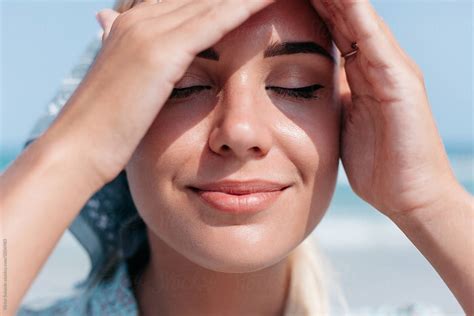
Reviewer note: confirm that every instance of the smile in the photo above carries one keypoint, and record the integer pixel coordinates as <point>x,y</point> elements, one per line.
<point>239,197</point>
<point>233,203</point>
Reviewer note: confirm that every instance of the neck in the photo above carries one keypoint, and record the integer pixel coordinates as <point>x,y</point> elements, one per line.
<point>171,284</point>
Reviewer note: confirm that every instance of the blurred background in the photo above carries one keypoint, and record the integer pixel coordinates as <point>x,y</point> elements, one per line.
<point>375,263</point>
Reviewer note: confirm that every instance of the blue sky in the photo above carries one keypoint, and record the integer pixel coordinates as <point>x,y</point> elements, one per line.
<point>42,40</point>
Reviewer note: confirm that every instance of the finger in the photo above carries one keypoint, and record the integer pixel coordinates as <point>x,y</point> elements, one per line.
<point>173,15</point>
<point>343,38</point>
<point>141,11</point>
<point>144,3</point>
<point>356,21</point>
<point>218,19</point>
<point>154,8</point>
<point>106,18</point>
<point>163,16</point>
<point>335,24</point>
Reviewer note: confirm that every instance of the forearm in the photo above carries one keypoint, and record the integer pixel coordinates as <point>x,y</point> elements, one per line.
<point>41,193</point>
<point>444,234</point>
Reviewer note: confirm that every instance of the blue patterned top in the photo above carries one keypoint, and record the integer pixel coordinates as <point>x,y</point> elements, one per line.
<point>116,297</point>
<point>112,297</point>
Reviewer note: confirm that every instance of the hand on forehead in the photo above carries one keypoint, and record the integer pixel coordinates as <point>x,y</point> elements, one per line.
<point>283,21</point>
<point>295,19</point>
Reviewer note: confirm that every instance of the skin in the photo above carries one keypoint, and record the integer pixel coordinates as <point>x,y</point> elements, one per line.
<point>388,142</point>
<point>208,137</point>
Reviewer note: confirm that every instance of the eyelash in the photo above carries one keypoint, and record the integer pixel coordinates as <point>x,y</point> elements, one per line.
<point>297,93</point>
<point>180,93</point>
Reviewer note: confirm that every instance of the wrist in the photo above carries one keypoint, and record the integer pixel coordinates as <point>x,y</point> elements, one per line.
<point>68,157</point>
<point>453,200</point>
<point>442,232</point>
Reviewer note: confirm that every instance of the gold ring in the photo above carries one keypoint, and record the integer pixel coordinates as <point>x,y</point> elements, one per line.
<point>354,50</point>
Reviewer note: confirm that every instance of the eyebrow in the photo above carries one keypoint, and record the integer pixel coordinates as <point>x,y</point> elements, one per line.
<point>279,49</point>
<point>289,48</point>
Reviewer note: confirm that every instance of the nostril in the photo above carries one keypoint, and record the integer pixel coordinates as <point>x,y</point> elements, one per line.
<point>225,147</point>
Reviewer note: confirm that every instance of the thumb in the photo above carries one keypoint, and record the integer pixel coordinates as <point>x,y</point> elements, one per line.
<point>106,18</point>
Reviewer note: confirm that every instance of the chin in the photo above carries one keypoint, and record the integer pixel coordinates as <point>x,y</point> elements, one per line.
<point>235,263</point>
<point>237,250</point>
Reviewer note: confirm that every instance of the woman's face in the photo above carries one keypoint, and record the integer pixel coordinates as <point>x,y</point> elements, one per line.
<point>240,127</point>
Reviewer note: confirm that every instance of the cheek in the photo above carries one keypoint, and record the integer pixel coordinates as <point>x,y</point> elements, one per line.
<point>326,141</point>
<point>314,149</point>
<point>173,139</point>
<point>314,135</point>
<point>170,145</point>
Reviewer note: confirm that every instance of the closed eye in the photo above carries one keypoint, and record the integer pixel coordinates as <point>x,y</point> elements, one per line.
<point>179,93</point>
<point>298,93</point>
<point>307,92</point>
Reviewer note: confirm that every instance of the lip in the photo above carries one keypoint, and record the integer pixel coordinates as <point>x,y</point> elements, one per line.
<point>239,196</point>
<point>241,187</point>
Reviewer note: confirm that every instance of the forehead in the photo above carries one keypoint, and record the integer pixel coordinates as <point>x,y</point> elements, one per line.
<point>285,20</point>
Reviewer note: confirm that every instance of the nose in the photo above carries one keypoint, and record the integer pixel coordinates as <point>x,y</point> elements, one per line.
<point>241,125</point>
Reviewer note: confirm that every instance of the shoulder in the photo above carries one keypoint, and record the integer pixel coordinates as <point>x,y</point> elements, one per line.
<point>413,309</point>
<point>111,297</point>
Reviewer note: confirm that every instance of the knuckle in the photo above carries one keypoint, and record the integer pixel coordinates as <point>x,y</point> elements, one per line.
<point>123,22</point>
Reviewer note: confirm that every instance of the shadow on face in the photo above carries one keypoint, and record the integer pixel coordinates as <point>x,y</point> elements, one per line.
<point>262,103</point>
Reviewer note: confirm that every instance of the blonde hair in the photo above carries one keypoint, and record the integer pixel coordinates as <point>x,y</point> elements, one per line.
<point>313,283</point>
<point>312,280</point>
